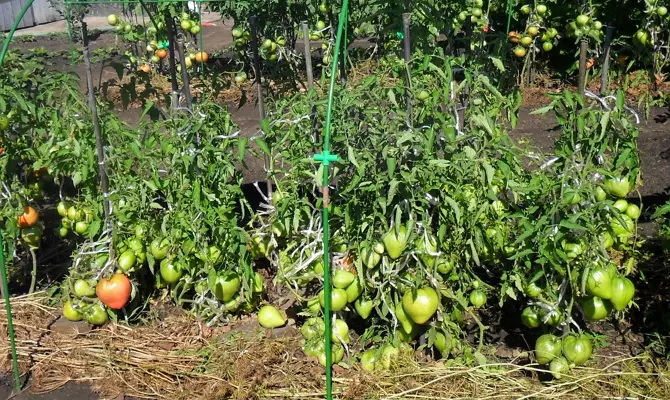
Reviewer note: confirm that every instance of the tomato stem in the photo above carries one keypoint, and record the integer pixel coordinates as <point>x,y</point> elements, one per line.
<point>33,279</point>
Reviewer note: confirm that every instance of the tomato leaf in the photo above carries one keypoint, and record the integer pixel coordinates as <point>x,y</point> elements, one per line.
<point>393,189</point>
<point>498,63</point>
<point>454,206</point>
<point>262,144</point>
<point>351,155</point>
<point>543,110</point>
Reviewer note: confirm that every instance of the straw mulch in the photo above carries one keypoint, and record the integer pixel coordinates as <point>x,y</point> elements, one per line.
<point>177,357</point>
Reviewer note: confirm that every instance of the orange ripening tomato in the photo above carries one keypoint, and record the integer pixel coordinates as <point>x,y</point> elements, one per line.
<point>590,63</point>
<point>40,172</point>
<point>29,217</point>
<point>201,56</point>
<point>145,68</point>
<point>161,53</point>
<point>513,37</point>
<point>115,291</point>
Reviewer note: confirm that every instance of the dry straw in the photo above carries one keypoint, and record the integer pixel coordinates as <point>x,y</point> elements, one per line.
<point>178,358</point>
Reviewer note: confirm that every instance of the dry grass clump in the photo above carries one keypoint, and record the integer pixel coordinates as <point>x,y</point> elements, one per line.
<point>179,358</point>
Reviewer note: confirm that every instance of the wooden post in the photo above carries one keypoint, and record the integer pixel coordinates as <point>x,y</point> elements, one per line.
<point>186,89</point>
<point>169,22</point>
<point>102,165</point>
<point>253,23</point>
<point>406,18</point>
<point>583,48</point>
<point>609,31</point>
<point>308,55</point>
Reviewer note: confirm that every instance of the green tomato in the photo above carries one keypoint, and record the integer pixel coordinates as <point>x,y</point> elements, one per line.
<point>70,313</point>
<point>623,291</point>
<point>270,317</point>
<point>595,308</point>
<point>81,227</point>
<point>633,211</point>
<point>369,360</point>
<point>525,9</point>
<point>370,258</point>
<point>313,328</point>
<point>83,289</point>
<point>340,332</point>
<point>444,266</point>
<point>342,278</point>
<point>32,236</point>
<point>621,205</point>
<point>426,247</point>
<point>559,367</point>
<point>226,286</point>
<point>571,197</point>
<point>314,305</point>
<point>599,283</point>
<point>354,290</point>
<point>171,270</point>
<point>389,354</point>
<point>96,315</point>
<point>607,240</point>
<point>532,290</point>
<point>551,318</point>
<point>423,95</point>
<point>477,298</point>
<point>582,20</point>
<point>338,299</point>
<point>314,347</point>
<point>363,307</point>
<point>421,304</point>
<point>127,260</point>
<point>159,248</point>
<point>4,123</point>
<point>443,344</point>
<point>112,19</point>
<point>572,250</point>
<point>617,187</point>
<point>63,232</point>
<point>577,349</point>
<point>233,304</point>
<point>623,229</point>
<point>525,41</point>
<point>258,283</point>
<point>530,317</point>
<point>541,9</point>
<point>62,209</point>
<point>395,242</point>
<point>73,214</point>
<point>547,347</point>
<point>661,11</point>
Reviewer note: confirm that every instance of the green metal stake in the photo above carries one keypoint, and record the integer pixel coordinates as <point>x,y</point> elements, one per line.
<point>326,158</point>
<point>8,307</point>
<point>509,14</point>
<point>10,35</point>
<point>3,269</point>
